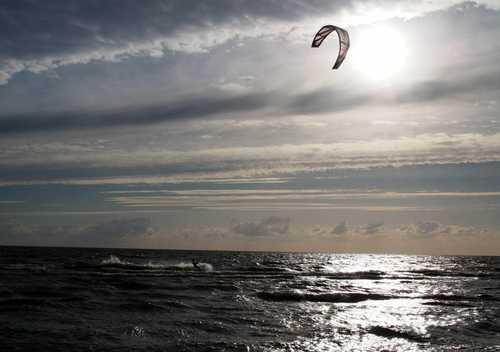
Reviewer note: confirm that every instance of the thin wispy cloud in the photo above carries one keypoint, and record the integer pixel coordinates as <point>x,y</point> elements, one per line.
<point>273,160</point>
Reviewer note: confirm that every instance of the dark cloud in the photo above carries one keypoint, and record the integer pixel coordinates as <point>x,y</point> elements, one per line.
<point>32,29</point>
<point>326,100</point>
<point>437,89</point>
<point>270,226</point>
<point>319,101</point>
<point>313,102</point>
<point>194,107</point>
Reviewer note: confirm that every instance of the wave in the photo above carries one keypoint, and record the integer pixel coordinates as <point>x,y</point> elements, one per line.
<point>48,291</point>
<point>141,306</point>
<point>24,266</point>
<point>19,304</point>
<point>132,285</point>
<point>391,333</point>
<point>151,304</point>
<point>293,296</point>
<point>460,298</point>
<point>485,325</point>
<point>114,262</point>
<point>354,297</point>
<point>287,271</point>
<point>23,301</point>
<point>265,269</point>
<point>444,273</point>
<point>449,304</point>
<point>368,275</point>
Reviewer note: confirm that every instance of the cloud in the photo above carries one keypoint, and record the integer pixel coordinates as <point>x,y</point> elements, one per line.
<point>20,233</point>
<point>256,144</point>
<point>348,232</point>
<point>324,100</point>
<point>110,233</point>
<point>340,229</point>
<point>434,228</point>
<point>180,109</point>
<point>345,231</point>
<point>428,91</point>
<point>373,228</point>
<point>417,231</point>
<point>201,233</point>
<point>318,230</point>
<point>66,162</point>
<point>267,227</point>
<point>88,31</point>
<point>429,227</point>
<point>117,230</point>
<point>236,99</point>
<point>83,33</point>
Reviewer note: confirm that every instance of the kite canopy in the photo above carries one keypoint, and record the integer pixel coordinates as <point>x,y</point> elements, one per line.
<point>343,39</point>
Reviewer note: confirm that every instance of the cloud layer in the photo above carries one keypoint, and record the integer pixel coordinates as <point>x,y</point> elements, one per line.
<point>37,37</point>
<point>61,162</point>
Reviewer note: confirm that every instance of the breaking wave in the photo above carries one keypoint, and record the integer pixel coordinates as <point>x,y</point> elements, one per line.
<point>115,262</point>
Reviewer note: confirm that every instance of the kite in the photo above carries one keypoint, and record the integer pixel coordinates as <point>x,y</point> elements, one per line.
<point>343,39</point>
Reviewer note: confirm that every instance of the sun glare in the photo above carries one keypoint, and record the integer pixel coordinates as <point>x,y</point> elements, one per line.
<point>380,53</point>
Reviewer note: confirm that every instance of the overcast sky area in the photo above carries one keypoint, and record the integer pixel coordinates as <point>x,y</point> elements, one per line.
<point>215,125</point>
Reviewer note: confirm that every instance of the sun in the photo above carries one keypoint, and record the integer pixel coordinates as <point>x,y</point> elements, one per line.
<point>380,53</point>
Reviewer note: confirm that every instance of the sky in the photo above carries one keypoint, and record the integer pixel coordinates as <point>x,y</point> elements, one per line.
<point>215,125</point>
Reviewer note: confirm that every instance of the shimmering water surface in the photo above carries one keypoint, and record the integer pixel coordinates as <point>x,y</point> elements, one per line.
<point>59,299</point>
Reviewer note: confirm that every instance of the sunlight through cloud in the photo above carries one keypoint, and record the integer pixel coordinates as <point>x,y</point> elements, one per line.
<point>380,53</point>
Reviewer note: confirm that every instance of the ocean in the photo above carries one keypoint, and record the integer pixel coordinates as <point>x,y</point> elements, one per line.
<point>74,299</point>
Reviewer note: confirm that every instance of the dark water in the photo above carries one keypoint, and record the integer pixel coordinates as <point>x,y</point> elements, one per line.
<point>137,300</point>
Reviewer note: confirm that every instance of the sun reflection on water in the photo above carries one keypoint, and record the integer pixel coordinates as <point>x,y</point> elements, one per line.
<point>411,303</point>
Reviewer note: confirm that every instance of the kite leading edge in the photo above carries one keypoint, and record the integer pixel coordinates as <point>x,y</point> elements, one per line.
<point>343,40</point>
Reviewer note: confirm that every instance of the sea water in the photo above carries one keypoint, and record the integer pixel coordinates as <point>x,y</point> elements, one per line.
<point>69,299</point>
